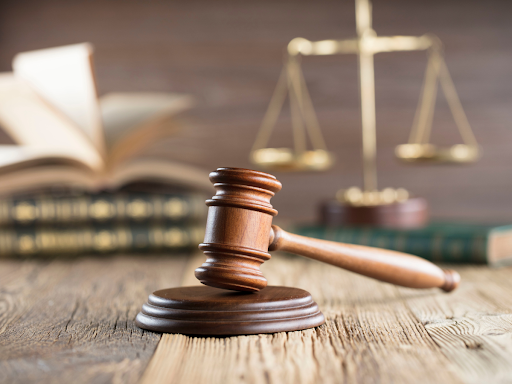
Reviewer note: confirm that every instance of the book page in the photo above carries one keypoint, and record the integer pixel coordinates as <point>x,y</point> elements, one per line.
<point>40,129</point>
<point>160,171</point>
<point>45,177</point>
<point>64,77</point>
<point>133,120</point>
<point>20,156</point>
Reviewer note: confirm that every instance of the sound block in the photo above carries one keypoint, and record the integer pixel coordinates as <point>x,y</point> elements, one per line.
<point>203,310</point>
<point>409,214</point>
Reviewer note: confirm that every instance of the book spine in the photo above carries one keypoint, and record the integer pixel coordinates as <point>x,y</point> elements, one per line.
<point>96,240</point>
<point>432,245</point>
<point>104,208</point>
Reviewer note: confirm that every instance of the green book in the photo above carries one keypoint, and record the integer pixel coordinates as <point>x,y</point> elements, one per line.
<point>53,241</point>
<point>438,242</point>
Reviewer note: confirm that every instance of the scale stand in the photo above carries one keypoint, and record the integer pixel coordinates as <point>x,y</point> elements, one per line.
<point>369,205</point>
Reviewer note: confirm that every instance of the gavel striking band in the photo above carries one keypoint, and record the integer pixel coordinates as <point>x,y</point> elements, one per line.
<point>239,234</point>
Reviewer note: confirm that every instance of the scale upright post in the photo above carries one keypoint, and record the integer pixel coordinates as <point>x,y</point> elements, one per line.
<point>365,35</point>
<point>389,207</point>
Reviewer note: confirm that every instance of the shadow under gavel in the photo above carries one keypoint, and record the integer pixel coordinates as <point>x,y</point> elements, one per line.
<point>239,234</point>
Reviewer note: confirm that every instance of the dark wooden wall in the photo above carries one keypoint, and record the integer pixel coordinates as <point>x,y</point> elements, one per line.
<point>229,53</point>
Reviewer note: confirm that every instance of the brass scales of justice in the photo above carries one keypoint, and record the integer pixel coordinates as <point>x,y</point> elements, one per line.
<point>387,207</point>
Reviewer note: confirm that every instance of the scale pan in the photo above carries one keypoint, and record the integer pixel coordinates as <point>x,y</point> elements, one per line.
<point>459,153</point>
<point>286,159</point>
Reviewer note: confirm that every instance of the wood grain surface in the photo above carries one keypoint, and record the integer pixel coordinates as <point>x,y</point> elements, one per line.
<point>393,267</point>
<point>239,234</point>
<point>237,229</point>
<point>208,311</point>
<point>375,333</point>
<point>72,321</point>
<point>229,55</point>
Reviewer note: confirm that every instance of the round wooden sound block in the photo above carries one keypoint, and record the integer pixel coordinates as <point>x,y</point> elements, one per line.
<point>409,214</point>
<point>204,310</point>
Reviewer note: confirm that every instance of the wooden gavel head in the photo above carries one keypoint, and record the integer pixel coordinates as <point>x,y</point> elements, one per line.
<point>239,234</point>
<point>238,229</point>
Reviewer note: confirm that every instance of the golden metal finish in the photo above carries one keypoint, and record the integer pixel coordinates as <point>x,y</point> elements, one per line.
<point>459,153</point>
<point>285,159</point>
<point>356,197</point>
<point>304,121</point>
<point>419,149</point>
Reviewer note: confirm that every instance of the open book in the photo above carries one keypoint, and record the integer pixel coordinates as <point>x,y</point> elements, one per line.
<point>66,135</point>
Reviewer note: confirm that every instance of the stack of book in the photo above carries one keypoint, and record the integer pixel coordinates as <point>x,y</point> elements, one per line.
<point>100,223</point>
<point>67,178</point>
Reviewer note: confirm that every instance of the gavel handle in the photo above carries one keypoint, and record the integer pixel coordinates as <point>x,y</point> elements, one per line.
<point>385,265</point>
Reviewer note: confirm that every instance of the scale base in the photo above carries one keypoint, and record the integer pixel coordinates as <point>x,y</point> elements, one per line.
<point>409,214</point>
<point>203,310</point>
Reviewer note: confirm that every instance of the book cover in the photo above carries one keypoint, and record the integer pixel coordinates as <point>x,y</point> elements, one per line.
<point>437,242</point>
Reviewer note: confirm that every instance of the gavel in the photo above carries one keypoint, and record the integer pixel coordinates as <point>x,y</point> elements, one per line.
<point>240,234</point>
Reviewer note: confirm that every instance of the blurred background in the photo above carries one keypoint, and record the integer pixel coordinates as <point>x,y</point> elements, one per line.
<point>228,55</point>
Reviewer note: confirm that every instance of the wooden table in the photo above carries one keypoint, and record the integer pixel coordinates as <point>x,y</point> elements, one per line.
<point>73,321</point>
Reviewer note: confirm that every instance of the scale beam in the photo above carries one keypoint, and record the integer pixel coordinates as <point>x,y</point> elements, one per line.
<point>373,44</point>
<point>366,45</point>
